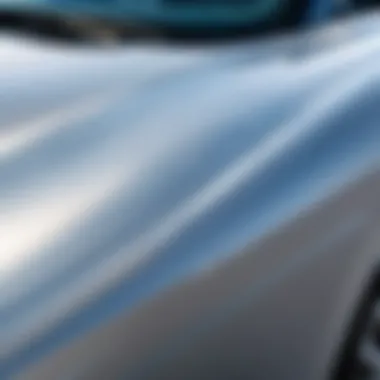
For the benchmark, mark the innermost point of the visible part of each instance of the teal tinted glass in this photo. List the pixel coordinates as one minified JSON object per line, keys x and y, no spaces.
{"x":178,"y":12}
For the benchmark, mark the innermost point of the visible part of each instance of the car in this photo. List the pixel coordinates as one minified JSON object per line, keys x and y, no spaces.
{"x":192,"y":211}
{"x":194,"y":14}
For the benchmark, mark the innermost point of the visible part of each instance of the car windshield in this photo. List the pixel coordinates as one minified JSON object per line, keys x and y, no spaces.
{"x":170,"y":14}
{"x":190,"y":12}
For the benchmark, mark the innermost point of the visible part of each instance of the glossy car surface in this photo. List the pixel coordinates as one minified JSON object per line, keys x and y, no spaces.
{"x":199,"y":212}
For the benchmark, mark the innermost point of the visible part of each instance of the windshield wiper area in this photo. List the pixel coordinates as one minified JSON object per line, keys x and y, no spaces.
{"x":60,"y":27}
{"x":96,"y":31}
{"x":186,"y":20}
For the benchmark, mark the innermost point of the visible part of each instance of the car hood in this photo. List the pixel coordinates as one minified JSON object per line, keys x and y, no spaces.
{"x":126,"y":165}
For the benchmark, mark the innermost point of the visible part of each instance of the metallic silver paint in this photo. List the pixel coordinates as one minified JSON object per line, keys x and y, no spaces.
{"x":187,"y":213}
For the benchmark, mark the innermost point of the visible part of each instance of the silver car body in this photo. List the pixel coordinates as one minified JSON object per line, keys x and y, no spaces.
{"x":187,"y":212}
